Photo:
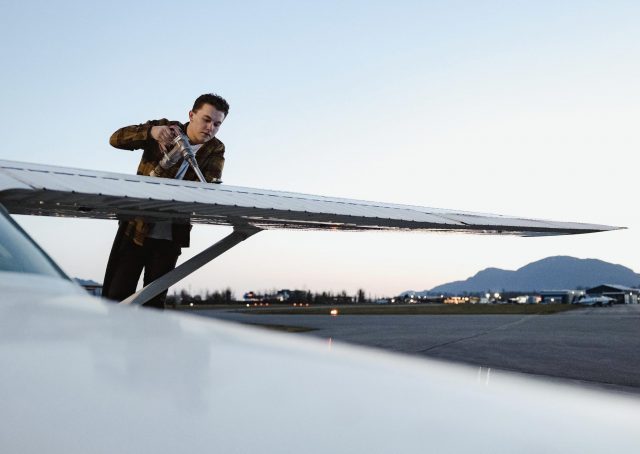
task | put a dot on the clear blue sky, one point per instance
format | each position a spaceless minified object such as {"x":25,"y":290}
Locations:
{"x":511,"y":107}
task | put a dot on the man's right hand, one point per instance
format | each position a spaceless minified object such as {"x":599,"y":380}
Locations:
{"x":164,"y":135}
{"x":171,"y":157}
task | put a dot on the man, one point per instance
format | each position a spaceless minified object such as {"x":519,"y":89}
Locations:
{"x":155,"y":247}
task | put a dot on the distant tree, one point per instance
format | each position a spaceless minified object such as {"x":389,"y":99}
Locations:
{"x":361,"y":298}
{"x":325,"y":298}
{"x":185,"y":297}
{"x":171,"y":300}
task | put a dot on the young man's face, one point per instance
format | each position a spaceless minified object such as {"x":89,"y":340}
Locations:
{"x":204,"y":123}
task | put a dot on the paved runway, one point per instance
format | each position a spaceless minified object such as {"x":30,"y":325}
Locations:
{"x":597,"y":346}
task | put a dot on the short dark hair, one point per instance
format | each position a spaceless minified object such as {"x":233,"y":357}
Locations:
{"x":216,"y":101}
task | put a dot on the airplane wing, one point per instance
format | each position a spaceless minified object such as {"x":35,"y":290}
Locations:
{"x":36,"y":189}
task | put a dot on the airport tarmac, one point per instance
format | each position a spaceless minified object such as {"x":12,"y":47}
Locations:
{"x":596,"y":346}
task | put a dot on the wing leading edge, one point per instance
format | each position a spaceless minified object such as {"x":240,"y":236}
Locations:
{"x":36,"y":189}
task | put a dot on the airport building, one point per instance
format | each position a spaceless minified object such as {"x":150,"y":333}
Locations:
{"x":622,"y":294}
{"x":559,"y":296}
{"x":92,"y":287}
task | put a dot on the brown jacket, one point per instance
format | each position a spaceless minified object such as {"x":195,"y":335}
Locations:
{"x":210,"y":159}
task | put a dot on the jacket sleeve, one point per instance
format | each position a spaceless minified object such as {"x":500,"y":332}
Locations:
{"x":213,"y":169}
{"x":136,"y":136}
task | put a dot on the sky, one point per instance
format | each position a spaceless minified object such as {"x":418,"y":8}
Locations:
{"x":507,"y":107}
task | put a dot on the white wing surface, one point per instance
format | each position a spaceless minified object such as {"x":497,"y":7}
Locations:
{"x":37,"y":189}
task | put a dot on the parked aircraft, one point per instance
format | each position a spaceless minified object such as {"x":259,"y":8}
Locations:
{"x":78,"y":374}
{"x":595,"y":301}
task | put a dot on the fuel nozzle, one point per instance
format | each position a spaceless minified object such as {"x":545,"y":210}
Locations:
{"x":182,"y":142}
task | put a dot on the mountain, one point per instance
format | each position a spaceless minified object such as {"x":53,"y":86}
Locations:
{"x":84,"y":282}
{"x":551,"y":273}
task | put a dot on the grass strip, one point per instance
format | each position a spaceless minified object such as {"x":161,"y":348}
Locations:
{"x":419,"y":309}
{"x":284,"y":328}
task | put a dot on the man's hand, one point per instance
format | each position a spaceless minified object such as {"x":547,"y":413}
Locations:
{"x":171,"y":157}
{"x":164,"y":135}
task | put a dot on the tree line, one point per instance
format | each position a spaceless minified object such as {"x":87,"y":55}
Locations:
{"x":226,"y":296}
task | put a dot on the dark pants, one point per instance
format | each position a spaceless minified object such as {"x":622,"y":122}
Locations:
{"x":127,"y":260}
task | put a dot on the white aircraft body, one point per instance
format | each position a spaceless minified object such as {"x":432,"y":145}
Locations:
{"x":78,"y":374}
{"x":595,"y":301}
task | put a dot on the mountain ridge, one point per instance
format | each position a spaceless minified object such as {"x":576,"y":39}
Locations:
{"x":550,"y":273}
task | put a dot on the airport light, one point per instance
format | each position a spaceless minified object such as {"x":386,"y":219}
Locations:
{"x":334,"y":312}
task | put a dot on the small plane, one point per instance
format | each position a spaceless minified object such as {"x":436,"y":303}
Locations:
{"x":78,"y":374}
{"x":597,"y":300}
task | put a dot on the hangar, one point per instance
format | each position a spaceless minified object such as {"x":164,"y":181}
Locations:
{"x":622,"y":294}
